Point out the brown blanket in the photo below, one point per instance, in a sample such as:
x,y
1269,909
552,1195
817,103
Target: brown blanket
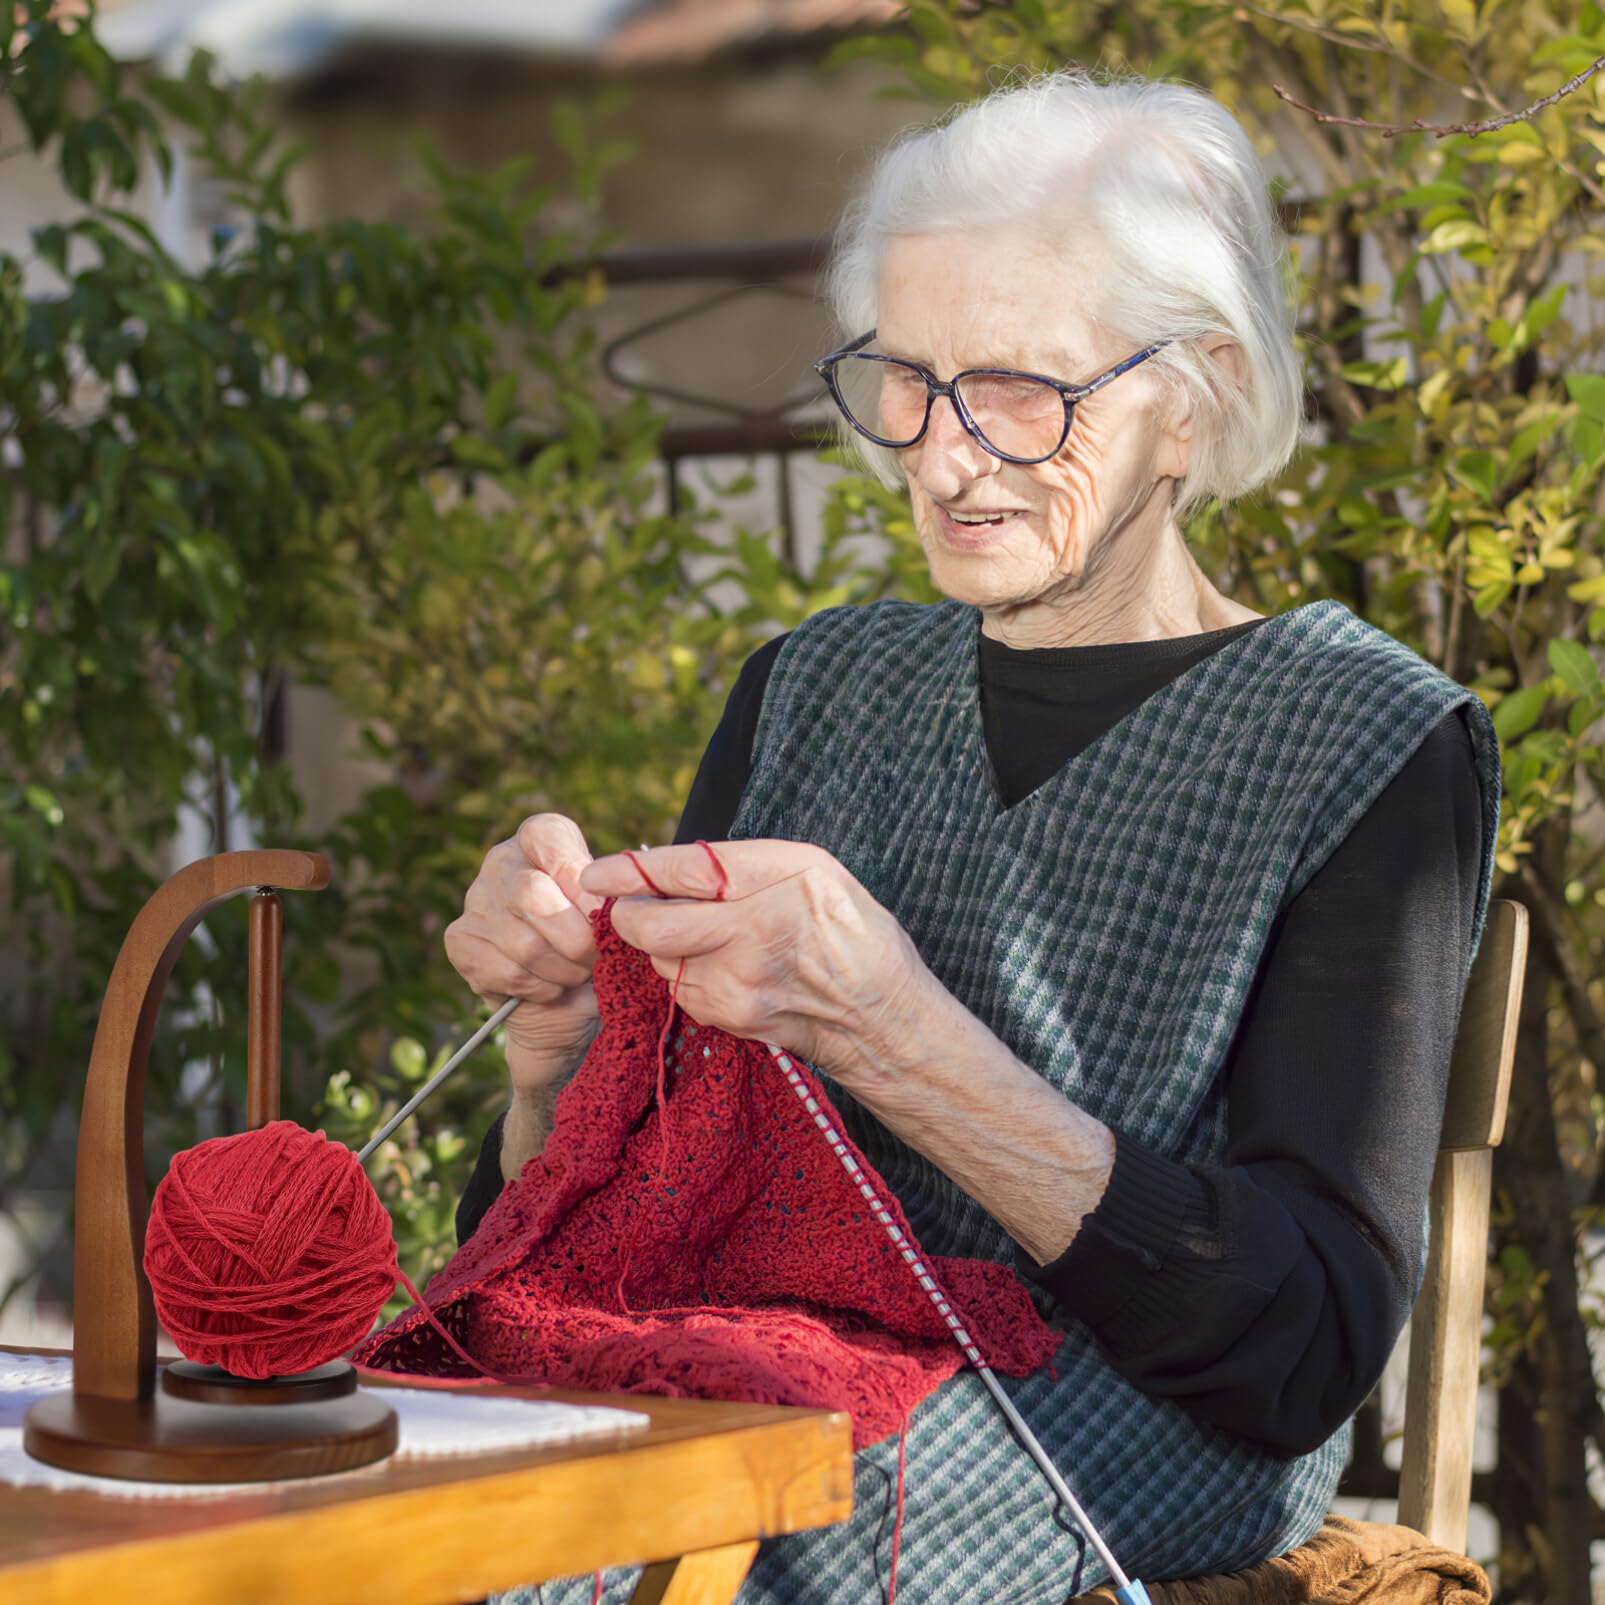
x,y
1346,1563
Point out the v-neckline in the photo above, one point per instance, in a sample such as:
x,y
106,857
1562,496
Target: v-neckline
x,y
1155,703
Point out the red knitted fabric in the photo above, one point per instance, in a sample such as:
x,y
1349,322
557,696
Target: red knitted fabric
x,y
750,1266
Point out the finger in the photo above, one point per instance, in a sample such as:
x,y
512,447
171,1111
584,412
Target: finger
x,y
542,904
546,839
529,948
555,844
689,871
567,876
677,928
497,977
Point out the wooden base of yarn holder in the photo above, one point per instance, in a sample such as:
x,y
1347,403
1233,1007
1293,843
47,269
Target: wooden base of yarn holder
x,y
196,1427
167,1439
211,1384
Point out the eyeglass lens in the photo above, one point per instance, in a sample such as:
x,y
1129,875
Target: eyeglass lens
x,y
1020,417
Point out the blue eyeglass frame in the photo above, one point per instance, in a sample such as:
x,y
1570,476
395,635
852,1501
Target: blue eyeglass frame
x,y
825,367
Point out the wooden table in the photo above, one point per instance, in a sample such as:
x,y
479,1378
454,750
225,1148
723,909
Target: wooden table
x,y
691,1495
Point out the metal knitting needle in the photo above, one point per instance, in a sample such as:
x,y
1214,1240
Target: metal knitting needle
x,y
444,1071
439,1076
1129,1591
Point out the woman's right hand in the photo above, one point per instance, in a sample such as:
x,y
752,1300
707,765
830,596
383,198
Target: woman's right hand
x,y
525,932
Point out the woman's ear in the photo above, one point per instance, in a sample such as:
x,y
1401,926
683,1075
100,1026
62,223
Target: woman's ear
x,y
1175,454
1226,351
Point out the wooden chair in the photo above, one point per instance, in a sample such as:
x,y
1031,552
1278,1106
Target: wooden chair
x,y
1446,1325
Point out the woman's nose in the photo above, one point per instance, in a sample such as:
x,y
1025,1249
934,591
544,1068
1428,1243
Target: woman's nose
x,y
948,457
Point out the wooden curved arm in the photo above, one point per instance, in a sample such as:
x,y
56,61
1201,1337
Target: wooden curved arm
x,y
114,1319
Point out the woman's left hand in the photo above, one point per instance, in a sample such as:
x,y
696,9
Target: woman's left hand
x,y
796,953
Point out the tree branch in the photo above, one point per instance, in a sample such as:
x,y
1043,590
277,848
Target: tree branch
x,y
1443,130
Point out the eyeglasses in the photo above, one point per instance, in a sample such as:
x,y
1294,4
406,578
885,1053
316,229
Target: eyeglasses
x,y
1020,417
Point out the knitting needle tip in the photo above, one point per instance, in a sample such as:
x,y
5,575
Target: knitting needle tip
x,y
439,1076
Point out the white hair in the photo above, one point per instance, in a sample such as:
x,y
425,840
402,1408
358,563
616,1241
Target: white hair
x,y
1159,186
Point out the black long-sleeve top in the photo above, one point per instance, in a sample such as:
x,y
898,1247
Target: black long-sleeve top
x,y
1263,1293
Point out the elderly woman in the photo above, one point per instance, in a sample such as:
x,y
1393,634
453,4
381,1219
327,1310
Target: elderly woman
x,y
1128,926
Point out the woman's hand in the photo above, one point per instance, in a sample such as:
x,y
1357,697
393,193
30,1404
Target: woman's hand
x,y
797,953
801,955
525,932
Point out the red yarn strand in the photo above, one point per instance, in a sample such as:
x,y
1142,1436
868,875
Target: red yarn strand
x,y
724,879
663,1040
662,1083
657,891
897,1524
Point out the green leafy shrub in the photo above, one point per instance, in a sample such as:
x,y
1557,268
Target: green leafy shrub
x,y
353,456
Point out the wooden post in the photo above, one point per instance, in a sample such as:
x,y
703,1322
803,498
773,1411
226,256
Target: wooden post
x,y
264,982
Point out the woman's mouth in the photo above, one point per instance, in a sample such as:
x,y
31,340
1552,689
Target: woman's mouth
x,y
975,531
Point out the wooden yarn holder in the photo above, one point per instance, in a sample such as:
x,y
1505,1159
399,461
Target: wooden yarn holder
x,y
202,1424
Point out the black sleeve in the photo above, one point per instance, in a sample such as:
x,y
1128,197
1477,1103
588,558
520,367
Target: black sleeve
x,y
485,1185
710,807
709,811
1266,1293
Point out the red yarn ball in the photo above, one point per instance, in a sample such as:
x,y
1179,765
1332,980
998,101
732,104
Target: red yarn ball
x,y
268,1252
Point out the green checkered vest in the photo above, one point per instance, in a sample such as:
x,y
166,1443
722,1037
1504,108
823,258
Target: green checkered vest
x,y
1107,929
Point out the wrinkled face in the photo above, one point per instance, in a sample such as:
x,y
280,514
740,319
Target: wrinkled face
x,y
994,298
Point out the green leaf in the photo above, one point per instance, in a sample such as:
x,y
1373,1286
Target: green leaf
x,y
100,568
1518,712
1588,391
500,399
44,804
1543,311
1587,438
567,123
408,1058
1476,469
585,431
1455,235
474,451
51,243
1431,315
1378,375
1435,194
1575,665
1516,1263
932,27
1569,52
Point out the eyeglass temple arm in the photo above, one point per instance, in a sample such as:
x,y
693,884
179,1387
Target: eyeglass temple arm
x,y
1076,392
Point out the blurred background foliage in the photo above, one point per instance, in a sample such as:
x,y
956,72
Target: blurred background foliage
x,y
370,459
373,459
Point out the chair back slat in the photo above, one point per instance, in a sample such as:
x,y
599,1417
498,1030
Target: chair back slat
x,y
1440,1409
1485,1040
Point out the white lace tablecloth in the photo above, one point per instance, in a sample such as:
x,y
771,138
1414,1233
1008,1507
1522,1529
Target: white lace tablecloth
x,y
431,1421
